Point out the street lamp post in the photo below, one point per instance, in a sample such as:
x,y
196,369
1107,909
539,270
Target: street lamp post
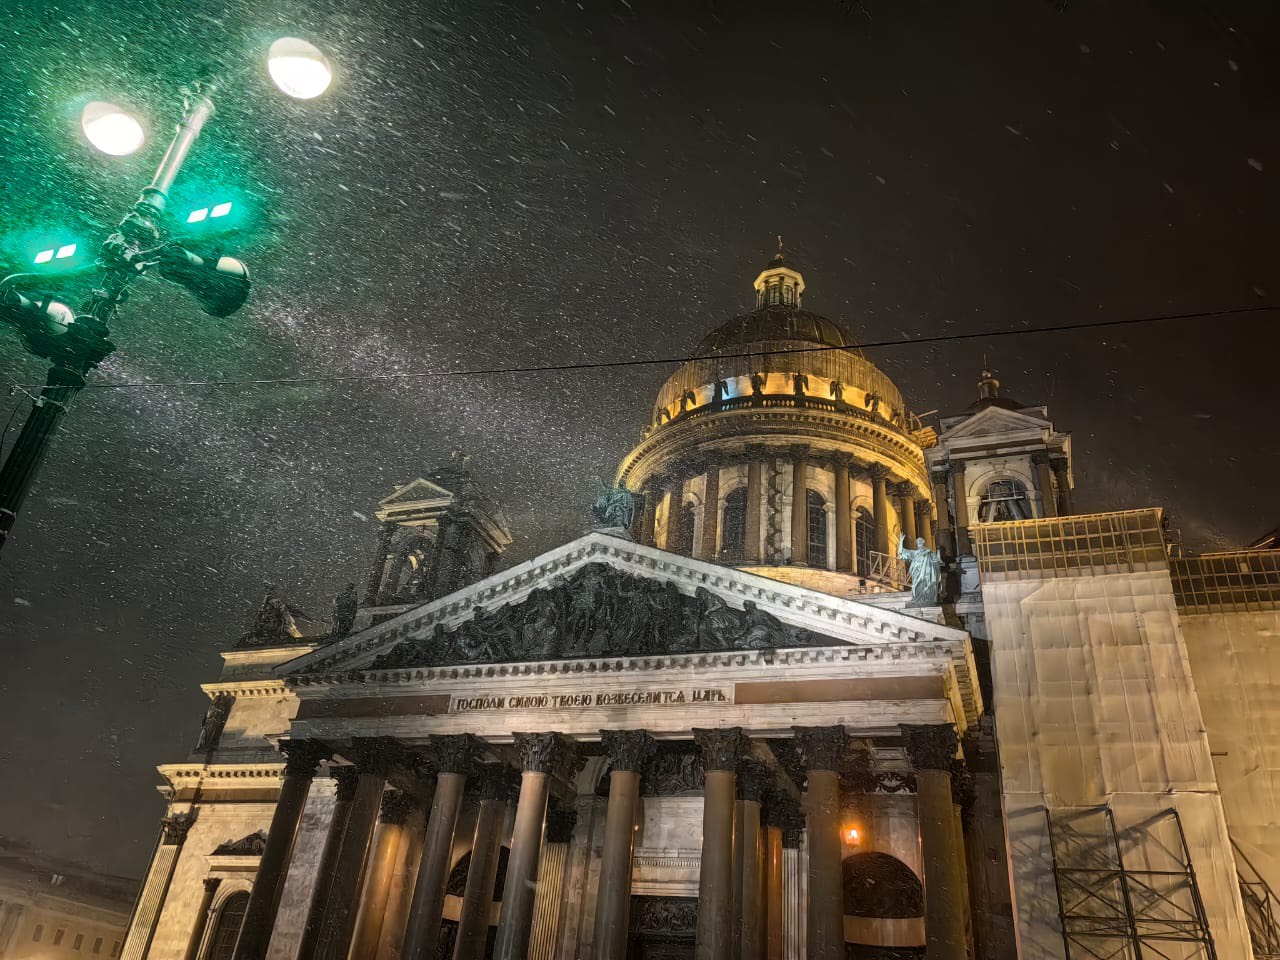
x,y
75,342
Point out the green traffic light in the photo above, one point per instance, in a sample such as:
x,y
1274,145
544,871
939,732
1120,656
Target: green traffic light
x,y
217,211
53,252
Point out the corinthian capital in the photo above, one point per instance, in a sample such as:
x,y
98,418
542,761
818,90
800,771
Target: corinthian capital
x,y
453,754
376,754
878,472
627,749
930,746
822,748
544,752
301,757
722,747
174,829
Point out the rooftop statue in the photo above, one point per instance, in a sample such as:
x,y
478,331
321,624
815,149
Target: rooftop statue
x,y
344,612
925,566
614,507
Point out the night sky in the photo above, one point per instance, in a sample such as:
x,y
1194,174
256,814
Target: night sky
x,y
494,184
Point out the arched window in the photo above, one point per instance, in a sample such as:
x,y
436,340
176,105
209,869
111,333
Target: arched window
x,y
864,538
1004,500
817,529
222,942
733,527
878,885
408,576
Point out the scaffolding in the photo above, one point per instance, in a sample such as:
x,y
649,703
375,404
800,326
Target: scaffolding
x,y
1130,897
1261,908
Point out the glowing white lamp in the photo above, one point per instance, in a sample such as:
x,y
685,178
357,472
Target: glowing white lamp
x,y
111,129
299,68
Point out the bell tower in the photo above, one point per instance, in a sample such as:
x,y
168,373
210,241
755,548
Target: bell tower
x,y
439,533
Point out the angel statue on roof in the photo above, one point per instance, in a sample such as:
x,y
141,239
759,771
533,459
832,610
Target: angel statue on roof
x,y
614,507
925,567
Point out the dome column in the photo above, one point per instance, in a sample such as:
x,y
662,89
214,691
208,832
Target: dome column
x,y
924,523
1060,470
946,540
1044,480
649,512
800,505
711,514
844,518
962,509
755,510
880,505
907,500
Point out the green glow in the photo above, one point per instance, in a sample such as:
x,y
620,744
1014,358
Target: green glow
x,y
111,129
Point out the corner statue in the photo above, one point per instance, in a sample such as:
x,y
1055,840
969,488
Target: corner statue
x,y
614,507
925,566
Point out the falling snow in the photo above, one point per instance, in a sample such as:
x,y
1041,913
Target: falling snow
x,y
562,182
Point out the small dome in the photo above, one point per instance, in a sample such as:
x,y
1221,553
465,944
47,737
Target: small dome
x,y
775,322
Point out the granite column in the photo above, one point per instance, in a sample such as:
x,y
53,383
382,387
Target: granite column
x,y
452,757
844,516
879,474
301,759
540,754
823,751
721,753
628,750
800,505
931,748
486,849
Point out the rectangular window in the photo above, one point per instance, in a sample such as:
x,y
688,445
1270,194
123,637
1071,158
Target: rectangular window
x,y
79,942
97,945
57,936
115,949
38,934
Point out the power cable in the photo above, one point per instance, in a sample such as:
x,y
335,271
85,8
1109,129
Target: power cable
x,y
654,361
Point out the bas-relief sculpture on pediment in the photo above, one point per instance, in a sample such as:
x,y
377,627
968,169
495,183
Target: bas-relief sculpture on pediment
x,y
599,611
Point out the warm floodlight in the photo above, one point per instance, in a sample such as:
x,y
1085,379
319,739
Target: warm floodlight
x,y
299,68
110,129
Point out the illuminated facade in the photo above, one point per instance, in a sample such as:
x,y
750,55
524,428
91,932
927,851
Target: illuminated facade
x,y
727,731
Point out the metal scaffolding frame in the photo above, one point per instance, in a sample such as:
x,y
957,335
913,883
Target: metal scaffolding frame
x,y
1113,909
1261,908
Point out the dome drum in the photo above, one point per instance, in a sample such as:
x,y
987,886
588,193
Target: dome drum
x,y
780,446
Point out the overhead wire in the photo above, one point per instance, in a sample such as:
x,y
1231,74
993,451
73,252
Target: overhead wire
x,y
655,361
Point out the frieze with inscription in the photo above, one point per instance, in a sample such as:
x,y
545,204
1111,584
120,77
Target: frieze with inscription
x,y
600,612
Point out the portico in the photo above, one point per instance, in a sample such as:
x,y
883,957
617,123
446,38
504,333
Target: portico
x,y
680,767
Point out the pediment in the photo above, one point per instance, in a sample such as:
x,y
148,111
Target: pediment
x,y
417,491
995,421
604,596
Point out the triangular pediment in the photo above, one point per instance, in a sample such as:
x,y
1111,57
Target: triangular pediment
x,y
417,491
995,421
604,596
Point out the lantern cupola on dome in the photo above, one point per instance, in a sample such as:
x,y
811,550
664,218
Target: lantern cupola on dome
x,y
779,283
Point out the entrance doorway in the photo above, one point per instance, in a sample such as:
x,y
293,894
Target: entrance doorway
x,y
662,928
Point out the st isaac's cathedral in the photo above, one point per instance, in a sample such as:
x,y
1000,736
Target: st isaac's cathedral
x,y
825,681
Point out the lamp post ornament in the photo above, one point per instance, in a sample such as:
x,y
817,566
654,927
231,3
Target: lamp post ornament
x,y
76,341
